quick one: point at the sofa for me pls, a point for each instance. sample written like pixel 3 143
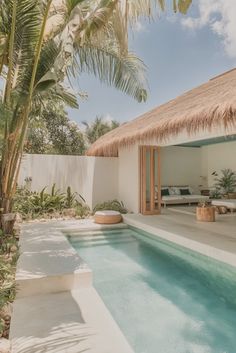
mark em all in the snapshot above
pixel 178 195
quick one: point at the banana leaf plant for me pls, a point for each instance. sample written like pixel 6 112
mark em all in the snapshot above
pixel 45 43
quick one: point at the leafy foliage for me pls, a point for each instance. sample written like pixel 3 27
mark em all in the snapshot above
pixel 113 205
pixel 98 128
pixel 35 204
pixel 215 194
pixel 82 211
pixel 46 43
pixel 53 132
pixel 226 183
pixel 9 253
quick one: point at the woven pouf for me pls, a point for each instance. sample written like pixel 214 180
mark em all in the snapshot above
pixel 107 217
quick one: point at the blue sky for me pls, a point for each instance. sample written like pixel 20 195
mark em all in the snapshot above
pixel 180 53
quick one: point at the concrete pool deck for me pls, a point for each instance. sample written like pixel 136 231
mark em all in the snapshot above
pixel 213 239
pixel 57 310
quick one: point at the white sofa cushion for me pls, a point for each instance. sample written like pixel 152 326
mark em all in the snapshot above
pixel 200 197
pixel 172 198
pixel 230 203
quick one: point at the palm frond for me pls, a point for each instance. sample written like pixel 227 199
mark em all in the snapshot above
pixel 48 56
pixel 126 73
pixel 71 5
pixel 66 96
pixel 95 20
pixel 133 10
pixel 54 94
pixel 183 5
pixel 28 17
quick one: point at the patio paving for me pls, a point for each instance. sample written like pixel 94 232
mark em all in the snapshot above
pixel 217 239
pixel 57 310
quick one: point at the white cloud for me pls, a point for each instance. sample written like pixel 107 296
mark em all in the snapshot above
pixel 139 27
pixel 220 16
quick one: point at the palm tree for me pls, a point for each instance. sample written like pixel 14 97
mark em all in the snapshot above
pixel 28 61
pixel 43 42
pixel 33 64
pixel 98 128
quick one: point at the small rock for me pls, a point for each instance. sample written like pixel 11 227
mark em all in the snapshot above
pixel 5 345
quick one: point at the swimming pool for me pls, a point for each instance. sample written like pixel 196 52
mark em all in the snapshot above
pixel 165 298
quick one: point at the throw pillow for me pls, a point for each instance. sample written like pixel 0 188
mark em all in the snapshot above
pixel 185 192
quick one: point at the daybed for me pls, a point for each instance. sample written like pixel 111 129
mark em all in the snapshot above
pixel 229 203
pixel 177 195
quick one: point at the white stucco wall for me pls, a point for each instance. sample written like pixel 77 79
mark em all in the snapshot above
pixel 181 166
pixel 216 157
pixel 95 178
pixel 128 184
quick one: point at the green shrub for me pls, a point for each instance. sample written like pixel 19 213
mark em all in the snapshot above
pixel 226 183
pixel 82 211
pixel 113 205
pixel 72 199
pixel 37 204
pixel 215 194
pixel 9 254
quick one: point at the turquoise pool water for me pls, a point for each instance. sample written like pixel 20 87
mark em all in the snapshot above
pixel 165 298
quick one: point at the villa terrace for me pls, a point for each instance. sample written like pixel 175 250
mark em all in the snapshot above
pixel 55 281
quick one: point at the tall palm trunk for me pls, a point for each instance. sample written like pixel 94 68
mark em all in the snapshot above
pixel 15 138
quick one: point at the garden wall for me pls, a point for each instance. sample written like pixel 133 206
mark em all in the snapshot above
pixel 216 157
pixel 95 178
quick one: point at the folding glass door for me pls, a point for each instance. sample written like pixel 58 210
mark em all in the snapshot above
pixel 150 180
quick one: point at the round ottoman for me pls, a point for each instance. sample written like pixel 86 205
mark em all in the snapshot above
pixel 107 217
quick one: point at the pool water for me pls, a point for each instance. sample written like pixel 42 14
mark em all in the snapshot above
pixel 165 298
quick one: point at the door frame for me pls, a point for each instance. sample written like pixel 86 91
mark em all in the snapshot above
pixel 142 188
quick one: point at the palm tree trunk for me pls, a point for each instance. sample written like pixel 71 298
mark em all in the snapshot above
pixel 14 141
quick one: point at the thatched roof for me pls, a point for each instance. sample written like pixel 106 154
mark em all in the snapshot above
pixel 208 106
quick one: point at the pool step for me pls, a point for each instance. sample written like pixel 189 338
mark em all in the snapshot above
pixel 101 241
pixel 87 237
pixel 95 233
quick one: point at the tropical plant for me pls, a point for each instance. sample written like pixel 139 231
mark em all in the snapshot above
pixel 226 183
pixel 50 131
pixel 45 202
pixel 9 253
pixel 73 199
pixel 43 42
pixel 82 210
pixel 35 204
pixel 98 128
pixel 215 194
pixel 113 205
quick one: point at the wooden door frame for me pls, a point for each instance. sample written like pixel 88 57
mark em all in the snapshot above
pixel 142 184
